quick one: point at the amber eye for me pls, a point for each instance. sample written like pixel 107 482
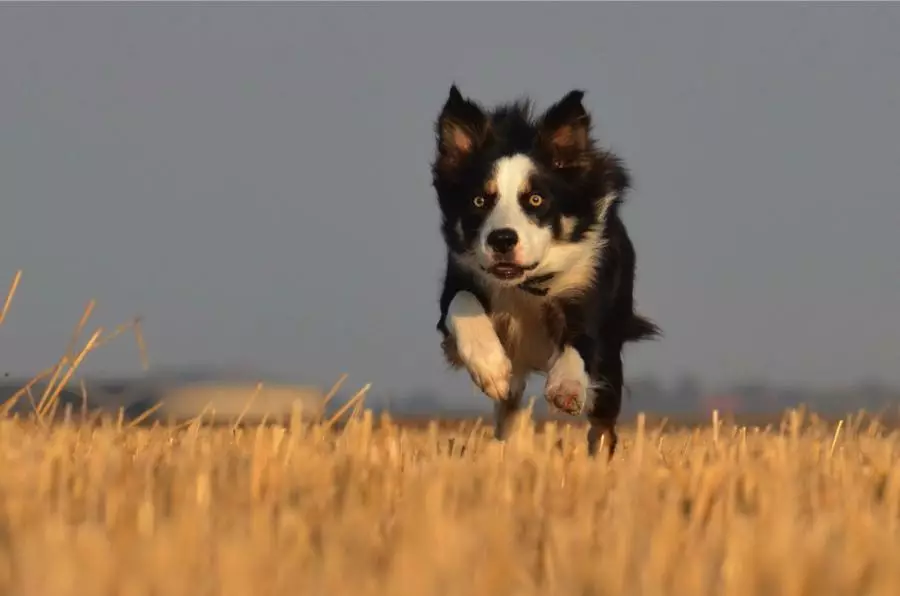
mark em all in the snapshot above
pixel 535 200
pixel 479 201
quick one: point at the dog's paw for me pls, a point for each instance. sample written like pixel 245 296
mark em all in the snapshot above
pixel 567 383
pixel 488 365
pixel 567 395
pixel 478 346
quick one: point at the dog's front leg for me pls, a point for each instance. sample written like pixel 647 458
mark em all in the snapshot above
pixel 508 412
pixel 568 382
pixel 478 346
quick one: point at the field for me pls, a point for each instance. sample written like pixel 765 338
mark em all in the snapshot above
pixel 354 505
pixel 378 508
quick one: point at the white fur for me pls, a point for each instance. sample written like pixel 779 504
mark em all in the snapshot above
pixel 511 175
pixel 568 376
pixel 575 262
pixel 478 345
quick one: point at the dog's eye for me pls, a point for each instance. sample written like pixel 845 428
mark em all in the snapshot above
pixel 535 200
pixel 479 201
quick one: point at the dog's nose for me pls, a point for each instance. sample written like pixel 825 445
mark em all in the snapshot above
pixel 503 240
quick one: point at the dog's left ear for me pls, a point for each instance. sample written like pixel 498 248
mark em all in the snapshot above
pixel 565 130
pixel 461 128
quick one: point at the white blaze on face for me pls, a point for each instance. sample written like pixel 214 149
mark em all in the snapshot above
pixel 510 178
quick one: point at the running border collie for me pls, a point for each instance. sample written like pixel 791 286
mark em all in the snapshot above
pixel 540 268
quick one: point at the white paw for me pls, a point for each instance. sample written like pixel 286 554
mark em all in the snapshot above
pixel 478 346
pixel 567 383
pixel 487 364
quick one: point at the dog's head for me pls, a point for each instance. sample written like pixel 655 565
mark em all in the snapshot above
pixel 522 197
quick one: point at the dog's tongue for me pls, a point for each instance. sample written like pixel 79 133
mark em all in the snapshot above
pixel 506 271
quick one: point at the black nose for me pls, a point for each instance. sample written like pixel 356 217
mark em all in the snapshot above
pixel 503 240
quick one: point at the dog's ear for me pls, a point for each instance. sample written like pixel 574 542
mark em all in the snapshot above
pixel 461 127
pixel 565 131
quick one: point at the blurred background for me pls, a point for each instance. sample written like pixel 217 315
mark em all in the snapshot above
pixel 254 181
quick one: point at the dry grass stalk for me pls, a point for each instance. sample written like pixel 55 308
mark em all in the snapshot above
pixel 334 389
pixel 247 406
pixel 837 433
pixel 66 357
pixel 197 420
pixel 352 402
pixel 84 399
pixel 68 375
pixel 132 325
pixel 141 344
pixel 9 295
pixel 8 405
pixel 76 333
pixel 137 420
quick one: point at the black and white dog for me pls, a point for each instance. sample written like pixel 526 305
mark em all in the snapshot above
pixel 540 268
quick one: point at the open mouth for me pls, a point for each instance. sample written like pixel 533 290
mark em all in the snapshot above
pixel 508 271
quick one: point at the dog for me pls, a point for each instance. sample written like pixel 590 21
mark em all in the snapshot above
pixel 539 266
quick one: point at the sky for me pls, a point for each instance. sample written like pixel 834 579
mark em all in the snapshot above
pixel 254 180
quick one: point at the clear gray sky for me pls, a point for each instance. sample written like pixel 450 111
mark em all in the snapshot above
pixel 254 179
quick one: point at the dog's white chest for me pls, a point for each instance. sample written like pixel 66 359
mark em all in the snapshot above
pixel 518 318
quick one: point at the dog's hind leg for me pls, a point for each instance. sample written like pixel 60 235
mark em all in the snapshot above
pixel 602 431
pixel 604 412
pixel 509 411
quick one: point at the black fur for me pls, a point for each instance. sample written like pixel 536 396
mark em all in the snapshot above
pixel 573 173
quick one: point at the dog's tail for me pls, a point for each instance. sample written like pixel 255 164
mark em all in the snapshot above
pixel 640 328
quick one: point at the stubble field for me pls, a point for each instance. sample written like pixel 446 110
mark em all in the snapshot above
pixel 354 505
pixel 378 508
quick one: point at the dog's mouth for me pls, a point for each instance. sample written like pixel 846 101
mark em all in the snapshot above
pixel 509 271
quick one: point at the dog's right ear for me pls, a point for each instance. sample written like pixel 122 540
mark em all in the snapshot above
pixel 461 128
pixel 565 131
